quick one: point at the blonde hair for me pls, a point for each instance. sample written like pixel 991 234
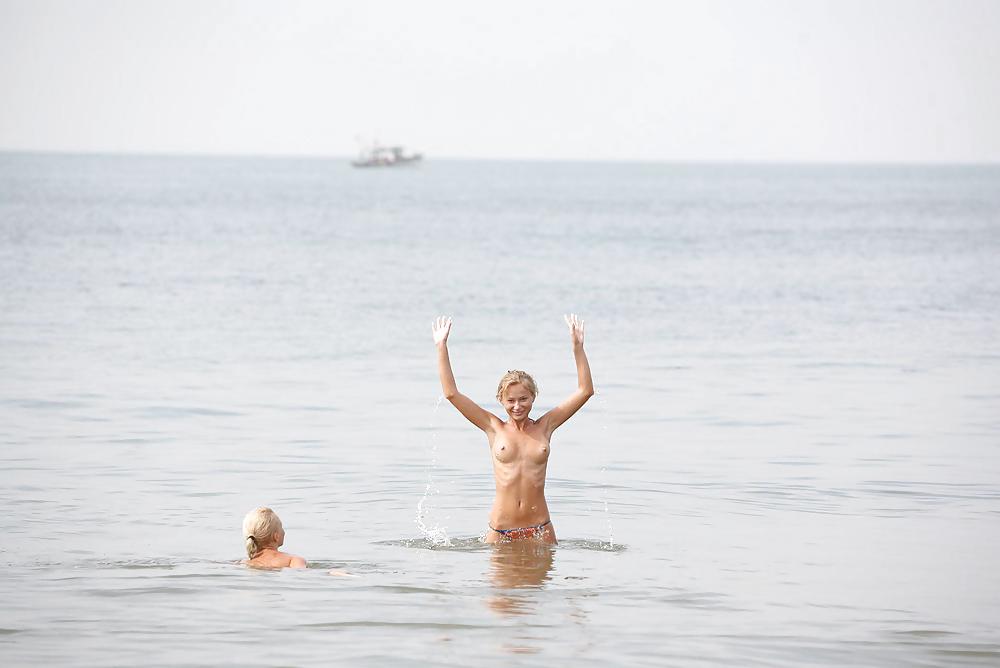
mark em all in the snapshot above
pixel 260 526
pixel 516 376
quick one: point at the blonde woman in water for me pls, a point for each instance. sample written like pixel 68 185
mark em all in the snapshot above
pixel 519 446
pixel 263 535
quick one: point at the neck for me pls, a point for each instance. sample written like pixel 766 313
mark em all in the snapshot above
pixel 521 424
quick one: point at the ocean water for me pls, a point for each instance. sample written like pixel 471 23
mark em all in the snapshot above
pixel 793 456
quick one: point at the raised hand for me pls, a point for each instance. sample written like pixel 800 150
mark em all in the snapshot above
pixel 575 328
pixel 441 327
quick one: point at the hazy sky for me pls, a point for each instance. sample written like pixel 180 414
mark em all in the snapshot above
pixel 844 80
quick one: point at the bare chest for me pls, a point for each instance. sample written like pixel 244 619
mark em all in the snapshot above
pixel 513 447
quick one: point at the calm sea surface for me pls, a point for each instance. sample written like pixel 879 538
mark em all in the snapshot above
pixel 793 457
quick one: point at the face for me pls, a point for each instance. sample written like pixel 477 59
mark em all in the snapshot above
pixel 517 401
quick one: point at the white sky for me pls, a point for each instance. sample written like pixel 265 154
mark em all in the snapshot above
pixel 745 80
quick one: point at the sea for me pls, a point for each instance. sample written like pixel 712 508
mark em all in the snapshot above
pixel 792 457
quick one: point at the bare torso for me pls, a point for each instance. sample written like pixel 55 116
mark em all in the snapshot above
pixel 519 447
pixel 271 558
pixel 520 458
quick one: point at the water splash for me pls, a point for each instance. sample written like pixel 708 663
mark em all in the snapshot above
pixel 607 512
pixel 438 535
pixel 433 532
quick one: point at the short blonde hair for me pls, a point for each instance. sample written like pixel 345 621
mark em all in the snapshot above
pixel 513 377
pixel 260 526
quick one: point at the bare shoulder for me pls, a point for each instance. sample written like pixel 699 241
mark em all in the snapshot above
pixel 493 426
pixel 296 562
pixel 546 424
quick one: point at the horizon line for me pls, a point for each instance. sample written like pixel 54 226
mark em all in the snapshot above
pixel 888 162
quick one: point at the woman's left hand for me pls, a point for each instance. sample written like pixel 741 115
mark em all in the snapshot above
pixel 575 328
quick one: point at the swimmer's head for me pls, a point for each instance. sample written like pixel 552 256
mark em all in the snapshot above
pixel 262 528
pixel 516 393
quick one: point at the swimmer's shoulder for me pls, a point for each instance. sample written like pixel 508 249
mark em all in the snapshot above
pixel 282 560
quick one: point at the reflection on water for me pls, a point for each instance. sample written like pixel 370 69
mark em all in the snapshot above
pixel 517 565
pixel 518 569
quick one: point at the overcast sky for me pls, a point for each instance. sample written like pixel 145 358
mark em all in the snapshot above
pixel 744 80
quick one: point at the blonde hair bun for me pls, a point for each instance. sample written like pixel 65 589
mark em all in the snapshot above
pixel 260 526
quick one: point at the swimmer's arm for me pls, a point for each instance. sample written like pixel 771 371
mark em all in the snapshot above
pixel 472 411
pixel 297 562
pixel 584 381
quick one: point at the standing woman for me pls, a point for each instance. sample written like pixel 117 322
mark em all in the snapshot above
pixel 519 447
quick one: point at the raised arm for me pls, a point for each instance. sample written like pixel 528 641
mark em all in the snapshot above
pixel 472 411
pixel 584 383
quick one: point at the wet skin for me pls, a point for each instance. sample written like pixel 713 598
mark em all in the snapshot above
pixel 520 453
pixel 270 557
pixel 519 446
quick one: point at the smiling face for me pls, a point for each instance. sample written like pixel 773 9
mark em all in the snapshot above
pixel 517 400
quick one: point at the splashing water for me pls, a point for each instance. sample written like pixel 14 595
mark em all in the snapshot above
pixel 607 512
pixel 436 534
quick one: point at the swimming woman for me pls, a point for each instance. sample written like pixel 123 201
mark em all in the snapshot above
pixel 519 447
pixel 263 535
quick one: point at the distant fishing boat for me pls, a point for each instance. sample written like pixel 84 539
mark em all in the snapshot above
pixel 386 156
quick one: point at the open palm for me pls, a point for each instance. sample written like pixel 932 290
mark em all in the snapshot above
pixel 575 328
pixel 441 327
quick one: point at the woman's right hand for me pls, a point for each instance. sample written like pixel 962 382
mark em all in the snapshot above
pixel 441 327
